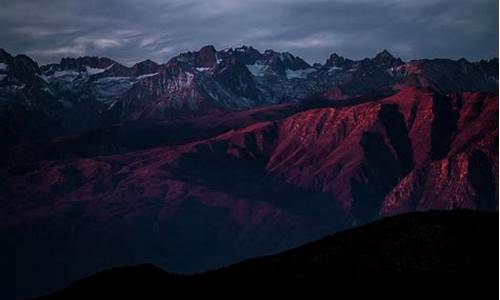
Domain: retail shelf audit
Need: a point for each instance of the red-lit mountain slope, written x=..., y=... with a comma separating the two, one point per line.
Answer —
x=249, y=191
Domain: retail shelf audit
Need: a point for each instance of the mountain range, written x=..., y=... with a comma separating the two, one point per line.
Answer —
x=217, y=156
x=85, y=93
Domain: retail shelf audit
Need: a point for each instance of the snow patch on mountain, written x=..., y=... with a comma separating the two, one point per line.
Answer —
x=257, y=69
x=94, y=71
x=334, y=69
x=298, y=74
x=63, y=75
x=147, y=75
x=48, y=90
x=112, y=86
x=202, y=69
x=3, y=67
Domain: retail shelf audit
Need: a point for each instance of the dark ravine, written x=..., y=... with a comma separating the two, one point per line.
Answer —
x=435, y=253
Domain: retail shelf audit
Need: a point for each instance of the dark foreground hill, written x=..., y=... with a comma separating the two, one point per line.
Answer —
x=445, y=253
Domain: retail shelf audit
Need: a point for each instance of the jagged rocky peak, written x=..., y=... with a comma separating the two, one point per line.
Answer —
x=286, y=59
x=24, y=62
x=91, y=65
x=489, y=66
x=5, y=56
x=206, y=57
x=294, y=62
x=246, y=49
x=384, y=54
x=386, y=59
x=338, y=61
x=22, y=69
x=145, y=67
x=3, y=52
x=209, y=57
x=493, y=61
x=146, y=63
x=245, y=54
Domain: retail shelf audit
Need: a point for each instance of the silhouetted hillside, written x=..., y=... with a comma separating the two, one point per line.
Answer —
x=433, y=253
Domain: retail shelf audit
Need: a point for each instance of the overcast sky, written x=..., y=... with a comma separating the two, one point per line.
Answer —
x=133, y=30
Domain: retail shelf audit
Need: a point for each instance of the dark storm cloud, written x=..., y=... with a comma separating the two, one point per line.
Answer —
x=133, y=30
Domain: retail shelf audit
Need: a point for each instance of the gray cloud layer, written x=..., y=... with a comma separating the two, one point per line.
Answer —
x=133, y=30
